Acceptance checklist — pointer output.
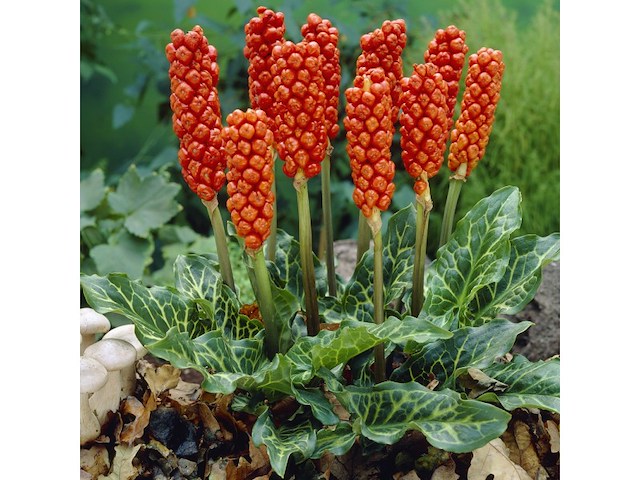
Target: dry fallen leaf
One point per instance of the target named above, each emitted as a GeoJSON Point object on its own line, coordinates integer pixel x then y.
{"type": "Point", "coordinates": [493, 459]}
{"type": "Point", "coordinates": [94, 460]}
{"type": "Point", "coordinates": [412, 475]}
{"type": "Point", "coordinates": [141, 412]}
{"type": "Point", "coordinates": [554, 434]}
{"type": "Point", "coordinates": [185, 393]}
{"type": "Point", "coordinates": [445, 472]}
{"type": "Point", "coordinates": [159, 377]}
{"type": "Point", "coordinates": [122, 467]}
{"type": "Point", "coordinates": [479, 382]}
{"type": "Point", "coordinates": [217, 469]}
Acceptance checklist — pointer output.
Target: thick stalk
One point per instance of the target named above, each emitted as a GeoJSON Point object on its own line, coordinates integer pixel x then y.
{"type": "Point", "coordinates": [422, 225]}
{"type": "Point", "coordinates": [272, 241]}
{"type": "Point", "coordinates": [220, 238]}
{"type": "Point", "coordinates": [306, 254]}
{"type": "Point", "coordinates": [455, 185]}
{"type": "Point", "coordinates": [379, 365]}
{"type": "Point", "coordinates": [364, 236]}
{"type": "Point", "coordinates": [328, 222]}
{"type": "Point", "coordinates": [262, 289]}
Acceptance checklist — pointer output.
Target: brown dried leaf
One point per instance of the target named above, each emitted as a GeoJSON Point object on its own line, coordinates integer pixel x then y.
{"type": "Point", "coordinates": [94, 460]}
{"type": "Point", "coordinates": [479, 382]}
{"type": "Point", "coordinates": [185, 393]}
{"type": "Point", "coordinates": [226, 420]}
{"type": "Point", "coordinates": [412, 475]}
{"type": "Point", "coordinates": [122, 467]}
{"type": "Point", "coordinates": [554, 434]}
{"type": "Point", "coordinates": [446, 472]}
{"type": "Point", "coordinates": [493, 459]}
{"type": "Point", "coordinates": [528, 456]}
{"type": "Point", "coordinates": [338, 409]}
{"type": "Point", "coordinates": [159, 377]}
{"type": "Point", "coordinates": [216, 469]}
{"type": "Point", "coordinates": [142, 413]}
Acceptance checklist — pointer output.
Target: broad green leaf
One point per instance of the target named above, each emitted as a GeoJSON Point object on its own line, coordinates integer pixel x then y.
{"type": "Point", "coordinates": [124, 254]}
{"type": "Point", "coordinates": [469, 347]}
{"type": "Point", "coordinates": [87, 221]}
{"type": "Point", "coordinates": [398, 249]}
{"type": "Point", "coordinates": [283, 442]}
{"type": "Point", "coordinates": [287, 268]}
{"type": "Point", "coordinates": [338, 440]}
{"type": "Point", "coordinates": [122, 114]}
{"type": "Point", "coordinates": [531, 384]}
{"type": "Point", "coordinates": [92, 191]}
{"type": "Point", "coordinates": [319, 404]}
{"type": "Point", "coordinates": [286, 305]}
{"type": "Point", "coordinates": [153, 310]}
{"type": "Point", "coordinates": [529, 254]}
{"type": "Point", "coordinates": [476, 255]}
{"type": "Point", "coordinates": [147, 203]}
{"type": "Point", "coordinates": [386, 411]}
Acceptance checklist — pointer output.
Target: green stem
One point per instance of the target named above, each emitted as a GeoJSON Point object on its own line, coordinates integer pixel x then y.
{"type": "Point", "coordinates": [265, 303]}
{"type": "Point", "coordinates": [455, 185]}
{"type": "Point", "coordinates": [328, 222]}
{"type": "Point", "coordinates": [422, 227]}
{"type": "Point", "coordinates": [379, 365]}
{"type": "Point", "coordinates": [306, 253]}
{"type": "Point", "coordinates": [220, 237]}
{"type": "Point", "coordinates": [364, 236]}
{"type": "Point", "coordinates": [272, 241]}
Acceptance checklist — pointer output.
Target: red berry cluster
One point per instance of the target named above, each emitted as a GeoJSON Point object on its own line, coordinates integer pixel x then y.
{"type": "Point", "coordinates": [369, 134]}
{"type": "Point", "coordinates": [250, 176]}
{"type": "Point", "coordinates": [424, 120]}
{"type": "Point", "coordinates": [321, 31]}
{"type": "Point", "coordinates": [262, 33]}
{"type": "Point", "coordinates": [299, 102]}
{"type": "Point", "coordinates": [447, 51]}
{"type": "Point", "coordinates": [196, 110]}
{"type": "Point", "coordinates": [470, 136]}
{"type": "Point", "coordinates": [383, 48]}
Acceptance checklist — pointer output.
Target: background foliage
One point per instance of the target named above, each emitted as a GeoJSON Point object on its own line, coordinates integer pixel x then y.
{"type": "Point", "coordinates": [125, 115]}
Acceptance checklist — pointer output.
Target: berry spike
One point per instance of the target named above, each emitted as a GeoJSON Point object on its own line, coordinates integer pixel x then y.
{"type": "Point", "coordinates": [369, 134]}
{"type": "Point", "coordinates": [447, 51]}
{"type": "Point", "coordinates": [383, 48]}
{"type": "Point", "coordinates": [321, 31]}
{"type": "Point", "coordinates": [470, 136]}
{"type": "Point", "coordinates": [250, 160]}
{"type": "Point", "coordinates": [262, 33]}
{"type": "Point", "coordinates": [196, 110]}
{"type": "Point", "coordinates": [423, 124]}
{"type": "Point", "coordinates": [299, 100]}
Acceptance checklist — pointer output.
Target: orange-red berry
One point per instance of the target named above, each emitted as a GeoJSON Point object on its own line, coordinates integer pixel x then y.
{"type": "Point", "coordinates": [299, 103]}
{"type": "Point", "coordinates": [369, 128]}
{"type": "Point", "coordinates": [383, 48]}
{"type": "Point", "coordinates": [447, 51]}
{"type": "Point", "coordinates": [321, 31]}
{"type": "Point", "coordinates": [470, 136]}
{"type": "Point", "coordinates": [196, 110]}
{"type": "Point", "coordinates": [262, 33]}
{"type": "Point", "coordinates": [424, 120]}
{"type": "Point", "coordinates": [250, 175]}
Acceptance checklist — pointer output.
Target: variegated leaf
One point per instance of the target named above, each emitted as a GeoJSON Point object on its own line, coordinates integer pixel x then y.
{"type": "Point", "coordinates": [319, 404]}
{"type": "Point", "coordinates": [338, 440]}
{"type": "Point", "coordinates": [529, 254]}
{"type": "Point", "coordinates": [388, 410]}
{"type": "Point", "coordinates": [469, 347]}
{"type": "Point", "coordinates": [283, 442]}
{"type": "Point", "coordinates": [530, 384]}
{"type": "Point", "coordinates": [153, 310]}
{"type": "Point", "coordinates": [476, 255]}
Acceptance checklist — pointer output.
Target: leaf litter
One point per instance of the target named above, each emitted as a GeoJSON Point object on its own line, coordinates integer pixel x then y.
{"type": "Point", "coordinates": [171, 429]}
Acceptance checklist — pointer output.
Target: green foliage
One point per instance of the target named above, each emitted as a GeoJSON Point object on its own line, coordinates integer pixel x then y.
{"type": "Point", "coordinates": [197, 324]}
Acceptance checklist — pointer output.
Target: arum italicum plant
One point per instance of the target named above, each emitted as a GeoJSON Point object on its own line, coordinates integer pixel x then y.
{"type": "Point", "coordinates": [284, 357]}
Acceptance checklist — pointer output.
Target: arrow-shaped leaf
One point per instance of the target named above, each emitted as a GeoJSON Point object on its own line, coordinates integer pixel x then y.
{"type": "Point", "coordinates": [531, 384]}
{"type": "Point", "coordinates": [283, 442]}
{"type": "Point", "coordinates": [476, 255]}
{"type": "Point", "coordinates": [469, 347]}
{"type": "Point", "coordinates": [388, 410]}
{"type": "Point", "coordinates": [529, 254]}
